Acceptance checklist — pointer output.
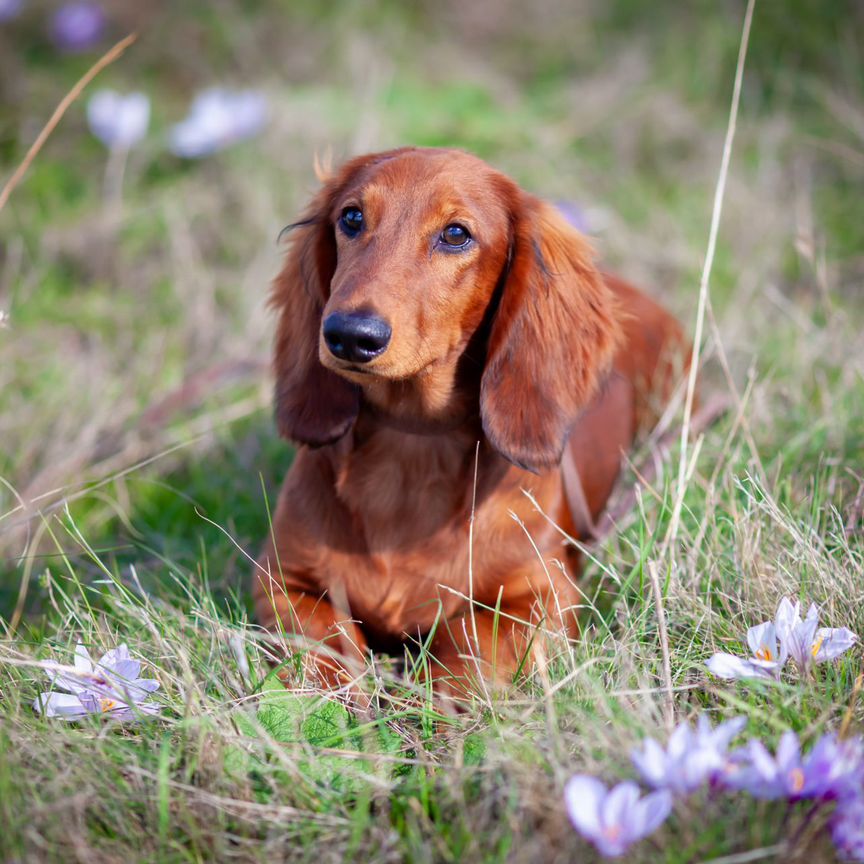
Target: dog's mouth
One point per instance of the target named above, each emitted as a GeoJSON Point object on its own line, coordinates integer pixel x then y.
{"type": "Point", "coordinates": [360, 373]}
{"type": "Point", "coordinates": [348, 369]}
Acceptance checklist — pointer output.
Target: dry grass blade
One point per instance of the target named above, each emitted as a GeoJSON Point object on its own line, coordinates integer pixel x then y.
{"type": "Point", "coordinates": [706, 275]}
{"type": "Point", "coordinates": [105, 60]}
{"type": "Point", "coordinates": [669, 703]}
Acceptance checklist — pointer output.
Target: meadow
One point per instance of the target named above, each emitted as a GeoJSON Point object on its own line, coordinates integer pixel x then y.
{"type": "Point", "coordinates": [139, 461]}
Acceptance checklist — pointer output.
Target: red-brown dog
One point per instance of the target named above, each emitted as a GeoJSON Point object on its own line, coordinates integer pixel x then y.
{"type": "Point", "coordinates": [428, 304]}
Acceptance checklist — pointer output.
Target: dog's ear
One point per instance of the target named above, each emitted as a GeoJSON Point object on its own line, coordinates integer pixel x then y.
{"type": "Point", "coordinates": [552, 337]}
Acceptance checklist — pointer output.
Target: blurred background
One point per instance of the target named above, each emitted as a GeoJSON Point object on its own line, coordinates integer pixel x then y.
{"type": "Point", "coordinates": [135, 255]}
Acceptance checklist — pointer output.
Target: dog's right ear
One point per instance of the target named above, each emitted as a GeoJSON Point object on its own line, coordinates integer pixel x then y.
{"type": "Point", "coordinates": [313, 405]}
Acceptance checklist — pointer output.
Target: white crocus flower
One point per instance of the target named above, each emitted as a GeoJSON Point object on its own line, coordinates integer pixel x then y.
{"type": "Point", "coordinates": [111, 687]}
{"type": "Point", "coordinates": [803, 639]}
{"type": "Point", "coordinates": [788, 636]}
{"type": "Point", "coordinates": [767, 661]}
{"type": "Point", "coordinates": [217, 118]}
{"type": "Point", "coordinates": [118, 121]}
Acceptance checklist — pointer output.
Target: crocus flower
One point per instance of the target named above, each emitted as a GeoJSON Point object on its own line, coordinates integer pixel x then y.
{"type": "Point", "coordinates": [77, 26]}
{"type": "Point", "coordinates": [806, 642]}
{"type": "Point", "coordinates": [756, 771]}
{"type": "Point", "coordinates": [834, 768]}
{"type": "Point", "coordinates": [613, 819]}
{"type": "Point", "coordinates": [9, 9]}
{"type": "Point", "coordinates": [118, 121]}
{"type": "Point", "coordinates": [802, 640]}
{"type": "Point", "coordinates": [766, 661]}
{"type": "Point", "coordinates": [216, 119]}
{"type": "Point", "coordinates": [111, 686]}
{"type": "Point", "coordinates": [847, 828]}
{"type": "Point", "coordinates": [691, 758]}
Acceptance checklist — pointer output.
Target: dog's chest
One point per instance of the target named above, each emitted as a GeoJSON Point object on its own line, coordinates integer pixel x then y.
{"type": "Point", "coordinates": [408, 500]}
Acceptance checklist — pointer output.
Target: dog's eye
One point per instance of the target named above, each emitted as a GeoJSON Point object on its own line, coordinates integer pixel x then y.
{"type": "Point", "coordinates": [455, 236]}
{"type": "Point", "coordinates": [351, 220]}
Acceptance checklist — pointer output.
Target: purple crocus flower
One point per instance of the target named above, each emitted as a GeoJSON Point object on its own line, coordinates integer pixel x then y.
{"type": "Point", "coordinates": [118, 121]}
{"type": "Point", "coordinates": [111, 687]}
{"type": "Point", "coordinates": [756, 771]}
{"type": "Point", "coordinates": [767, 660]}
{"type": "Point", "coordinates": [806, 642]}
{"type": "Point", "coordinates": [613, 819]}
{"type": "Point", "coordinates": [9, 9]}
{"type": "Point", "coordinates": [834, 768]}
{"type": "Point", "coordinates": [216, 119]}
{"type": "Point", "coordinates": [78, 26]}
{"type": "Point", "coordinates": [847, 828]}
{"type": "Point", "coordinates": [690, 759]}
{"type": "Point", "coordinates": [789, 774]}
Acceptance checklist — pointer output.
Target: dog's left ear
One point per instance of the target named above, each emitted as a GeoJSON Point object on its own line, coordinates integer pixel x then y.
{"type": "Point", "coordinates": [552, 337]}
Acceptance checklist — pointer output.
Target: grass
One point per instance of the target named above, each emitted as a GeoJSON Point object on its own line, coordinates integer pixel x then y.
{"type": "Point", "coordinates": [138, 455]}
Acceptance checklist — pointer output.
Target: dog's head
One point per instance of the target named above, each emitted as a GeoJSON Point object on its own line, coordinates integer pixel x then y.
{"type": "Point", "coordinates": [410, 262]}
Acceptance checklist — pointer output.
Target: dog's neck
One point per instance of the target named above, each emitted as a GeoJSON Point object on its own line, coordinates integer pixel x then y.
{"type": "Point", "coordinates": [415, 446]}
{"type": "Point", "coordinates": [444, 398]}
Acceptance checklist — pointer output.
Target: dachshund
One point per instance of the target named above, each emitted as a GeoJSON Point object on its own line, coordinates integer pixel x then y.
{"type": "Point", "coordinates": [444, 345]}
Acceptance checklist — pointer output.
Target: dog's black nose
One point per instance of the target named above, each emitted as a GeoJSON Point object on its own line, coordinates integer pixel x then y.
{"type": "Point", "coordinates": [356, 337]}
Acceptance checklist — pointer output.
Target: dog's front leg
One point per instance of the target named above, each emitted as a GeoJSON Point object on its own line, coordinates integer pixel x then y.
{"type": "Point", "coordinates": [332, 645]}
{"type": "Point", "coordinates": [488, 647]}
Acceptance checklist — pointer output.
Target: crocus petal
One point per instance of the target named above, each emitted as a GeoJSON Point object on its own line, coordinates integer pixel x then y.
{"type": "Point", "coordinates": [124, 671]}
{"type": "Point", "coordinates": [650, 762]}
{"type": "Point", "coordinates": [582, 798]}
{"type": "Point", "coordinates": [111, 658]}
{"type": "Point", "coordinates": [70, 683]}
{"type": "Point", "coordinates": [756, 772]}
{"type": "Point", "coordinates": [799, 643]}
{"type": "Point", "coordinates": [618, 805]}
{"type": "Point", "coordinates": [770, 666]}
{"type": "Point", "coordinates": [788, 751]}
{"type": "Point", "coordinates": [833, 767]}
{"type": "Point", "coordinates": [9, 9]}
{"type": "Point", "coordinates": [809, 627]}
{"type": "Point", "coordinates": [730, 666]}
{"type": "Point", "coordinates": [250, 113]}
{"type": "Point", "coordinates": [77, 26]}
{"type": "Point", "coordinates": [654, 810]}
{"type": "Point", "coordinates": [831, 642]}
{"type": "Point", "coordinates": [74, 682]}
{"type": "Point", "coordinates": [65, 705]}
{"type": "Point", "coordinates": [762, 761]}
{"type": "Point", "coordinates": [216, 119]}
{"type": "Point", "coordinates": [680, 741]}
{"type": "Point", "coordinates": [118, 120]}
{"type": "Point", "coordinates": [762, 640]}
{"type": "Point", "coordinates": [83, 661]}
{"type": "Point", "coordinates": [699, 766]}
{"type": "Point", "coordinates": [847, 828]}
{"type": "Point", "coordinates": [724, 733]}
{"type": "Point", "coordinates": [787, 616]}
{"type": "Point", "coordinates": [618, 817]}
{"type": "Point", "coordinates": [146, 685]}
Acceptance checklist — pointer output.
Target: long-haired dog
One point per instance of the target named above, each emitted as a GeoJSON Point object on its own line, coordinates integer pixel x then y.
{"type": "Point", "coordinates": [445, 344]}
